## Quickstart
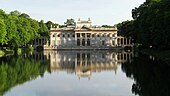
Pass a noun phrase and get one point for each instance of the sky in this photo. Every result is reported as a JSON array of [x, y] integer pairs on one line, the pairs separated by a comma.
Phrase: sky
[[101, 12]]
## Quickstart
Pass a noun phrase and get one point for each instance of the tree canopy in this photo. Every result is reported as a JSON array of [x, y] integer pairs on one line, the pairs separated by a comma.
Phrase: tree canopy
[[18, 29], [151, 26], [70, 22], [50, 24]]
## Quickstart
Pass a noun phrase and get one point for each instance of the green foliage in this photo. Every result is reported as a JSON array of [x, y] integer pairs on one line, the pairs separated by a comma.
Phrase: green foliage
[[19, 51], [43, 30], [15, 71], [15, 13], [126, 29], [2, 31], [31, 48], [18, 29], [70, 22], [151, 26], [108, 26], [2, 53], [50, 24], [24, 15]]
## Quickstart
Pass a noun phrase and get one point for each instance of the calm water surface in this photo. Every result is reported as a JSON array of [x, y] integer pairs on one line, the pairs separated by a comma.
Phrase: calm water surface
[[83, 73]]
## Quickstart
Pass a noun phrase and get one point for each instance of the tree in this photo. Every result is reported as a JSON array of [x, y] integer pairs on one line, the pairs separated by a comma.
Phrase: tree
[[43, 30], [126, 29], [2, 14], [15, 13], [24, 15], [11, 30], [17, 30], [70, 22], [150, 26], [108, 26], [2, 31], [49, 24]]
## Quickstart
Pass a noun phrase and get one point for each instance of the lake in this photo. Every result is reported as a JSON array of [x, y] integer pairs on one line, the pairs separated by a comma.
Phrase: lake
[[84, 73]]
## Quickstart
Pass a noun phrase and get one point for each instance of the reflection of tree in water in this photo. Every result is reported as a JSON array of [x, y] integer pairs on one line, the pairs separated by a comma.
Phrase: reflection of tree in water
[[151, 78], [14, 71]]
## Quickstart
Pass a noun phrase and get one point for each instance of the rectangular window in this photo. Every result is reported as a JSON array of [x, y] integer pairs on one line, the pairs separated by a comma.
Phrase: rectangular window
[[83, 34], [78, 34], [113, 35], [113, 42], [88, 34]]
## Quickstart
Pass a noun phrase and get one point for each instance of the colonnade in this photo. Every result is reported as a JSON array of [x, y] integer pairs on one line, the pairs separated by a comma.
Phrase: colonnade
[[96, 39], [122, 41], [123, 57], [39, 41], [84, 39]]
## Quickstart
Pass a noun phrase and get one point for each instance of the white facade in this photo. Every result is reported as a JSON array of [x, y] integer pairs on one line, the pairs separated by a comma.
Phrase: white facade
[[83, 36]]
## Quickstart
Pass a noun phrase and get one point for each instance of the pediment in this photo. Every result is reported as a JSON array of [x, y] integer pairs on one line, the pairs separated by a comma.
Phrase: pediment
[[85, 28]]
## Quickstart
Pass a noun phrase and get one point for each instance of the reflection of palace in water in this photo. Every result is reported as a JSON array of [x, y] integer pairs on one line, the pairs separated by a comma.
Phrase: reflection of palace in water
[[84, 63]]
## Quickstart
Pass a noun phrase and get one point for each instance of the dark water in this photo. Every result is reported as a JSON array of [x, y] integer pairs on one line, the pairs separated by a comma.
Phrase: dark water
[[83, 73]]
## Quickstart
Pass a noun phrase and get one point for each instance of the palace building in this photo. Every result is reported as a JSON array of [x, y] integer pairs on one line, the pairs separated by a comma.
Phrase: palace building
[[86, 36]]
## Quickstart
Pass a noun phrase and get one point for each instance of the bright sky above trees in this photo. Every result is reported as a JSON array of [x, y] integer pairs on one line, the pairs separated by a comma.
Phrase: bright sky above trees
[[100, 11]]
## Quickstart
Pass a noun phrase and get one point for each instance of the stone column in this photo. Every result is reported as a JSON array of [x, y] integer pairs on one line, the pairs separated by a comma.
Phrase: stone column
[[51, 39], [116, 41], [108, 39], [126, 41], [85, 39], [90, 39], [80, 39], [75, 37], [55, 40], [129, 41]]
